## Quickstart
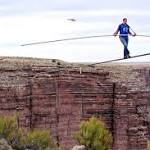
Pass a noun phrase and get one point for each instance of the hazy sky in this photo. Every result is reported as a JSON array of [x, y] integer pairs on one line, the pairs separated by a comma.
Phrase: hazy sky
[[25, 21]]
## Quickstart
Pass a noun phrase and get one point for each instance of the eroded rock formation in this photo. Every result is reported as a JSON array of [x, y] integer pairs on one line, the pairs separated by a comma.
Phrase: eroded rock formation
[[57, 96]]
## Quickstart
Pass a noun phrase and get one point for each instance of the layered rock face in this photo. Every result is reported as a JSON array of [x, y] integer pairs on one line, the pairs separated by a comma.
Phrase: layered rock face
[[57, 96]]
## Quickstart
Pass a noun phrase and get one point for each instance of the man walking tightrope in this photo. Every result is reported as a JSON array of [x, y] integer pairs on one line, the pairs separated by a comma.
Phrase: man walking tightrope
[[124, 30]]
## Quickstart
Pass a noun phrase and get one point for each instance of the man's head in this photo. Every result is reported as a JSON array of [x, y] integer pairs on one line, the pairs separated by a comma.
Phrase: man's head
[[124, 20]]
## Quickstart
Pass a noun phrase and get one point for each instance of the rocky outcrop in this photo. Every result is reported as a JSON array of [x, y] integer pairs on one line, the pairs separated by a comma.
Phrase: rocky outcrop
[[57, 96], [77, 147], [4, 145]]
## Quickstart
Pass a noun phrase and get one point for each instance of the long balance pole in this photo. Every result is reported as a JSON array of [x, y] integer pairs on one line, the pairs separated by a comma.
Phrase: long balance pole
[[75, 38]]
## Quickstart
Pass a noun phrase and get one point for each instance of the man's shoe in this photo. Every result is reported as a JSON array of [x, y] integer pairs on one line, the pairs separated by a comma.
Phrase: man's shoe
[[126, 57], [129, 56]]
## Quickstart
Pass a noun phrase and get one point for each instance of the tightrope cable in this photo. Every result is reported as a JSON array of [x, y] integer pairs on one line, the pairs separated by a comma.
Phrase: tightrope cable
[[114, 60]]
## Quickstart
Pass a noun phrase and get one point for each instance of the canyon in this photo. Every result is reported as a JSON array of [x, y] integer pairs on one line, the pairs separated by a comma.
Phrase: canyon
[[56, 96]]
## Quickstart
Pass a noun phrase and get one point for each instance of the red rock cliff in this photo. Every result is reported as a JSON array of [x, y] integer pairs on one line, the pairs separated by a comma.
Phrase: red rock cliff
[[57, 96]]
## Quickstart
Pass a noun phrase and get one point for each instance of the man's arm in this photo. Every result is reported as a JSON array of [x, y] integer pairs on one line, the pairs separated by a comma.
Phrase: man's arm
[[133, 34], [115, 34]]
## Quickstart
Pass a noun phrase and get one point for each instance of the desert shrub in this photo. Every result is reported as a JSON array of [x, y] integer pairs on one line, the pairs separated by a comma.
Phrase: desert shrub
[[148, 145], [94, 135], [19, 140], [7, 126], [38, 140], [10, 131]]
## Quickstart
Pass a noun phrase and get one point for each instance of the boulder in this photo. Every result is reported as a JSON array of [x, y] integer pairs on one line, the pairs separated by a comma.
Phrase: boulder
[[78, 147], [4, 145]]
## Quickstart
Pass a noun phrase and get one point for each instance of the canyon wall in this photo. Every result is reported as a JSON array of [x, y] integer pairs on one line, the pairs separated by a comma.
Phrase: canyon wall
[[57, 96]]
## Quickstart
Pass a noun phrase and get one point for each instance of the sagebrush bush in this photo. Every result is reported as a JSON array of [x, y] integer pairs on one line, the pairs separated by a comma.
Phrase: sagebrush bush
[[94, 135], [39, 139], [8, 126], [148, 145], [10, 131], [20, 140]]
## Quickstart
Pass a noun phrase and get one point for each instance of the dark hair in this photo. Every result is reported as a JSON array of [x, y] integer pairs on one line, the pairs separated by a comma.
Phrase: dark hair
[[124, 19]]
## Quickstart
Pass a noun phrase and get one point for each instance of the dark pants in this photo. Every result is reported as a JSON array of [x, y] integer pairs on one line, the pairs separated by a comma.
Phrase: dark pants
[[124, 40]]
